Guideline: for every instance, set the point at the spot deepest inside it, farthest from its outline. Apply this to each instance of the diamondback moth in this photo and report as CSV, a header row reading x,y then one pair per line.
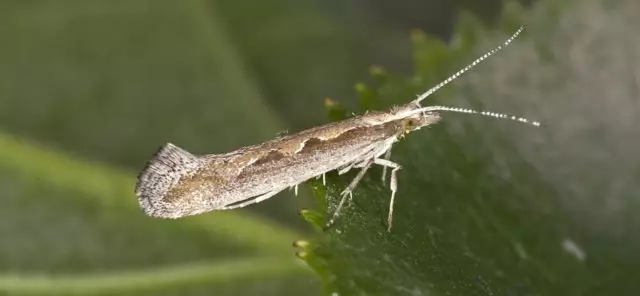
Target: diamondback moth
x,y
176,183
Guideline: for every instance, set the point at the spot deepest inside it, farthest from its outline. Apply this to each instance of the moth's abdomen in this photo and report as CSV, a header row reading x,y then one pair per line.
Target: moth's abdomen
x,y
159,177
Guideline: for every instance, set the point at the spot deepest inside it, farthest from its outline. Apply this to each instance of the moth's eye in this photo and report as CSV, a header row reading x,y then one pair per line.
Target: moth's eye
x,y
410,124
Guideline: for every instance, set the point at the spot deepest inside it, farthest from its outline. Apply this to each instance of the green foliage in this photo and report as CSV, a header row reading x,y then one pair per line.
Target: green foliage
x,y
298,50
85,69
490,207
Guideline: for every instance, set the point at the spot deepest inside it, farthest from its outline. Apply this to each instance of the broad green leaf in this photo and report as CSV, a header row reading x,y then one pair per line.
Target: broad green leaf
x,y
489,207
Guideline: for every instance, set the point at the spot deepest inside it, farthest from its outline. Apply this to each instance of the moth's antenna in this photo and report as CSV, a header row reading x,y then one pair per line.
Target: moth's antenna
x,y
470,111
467,68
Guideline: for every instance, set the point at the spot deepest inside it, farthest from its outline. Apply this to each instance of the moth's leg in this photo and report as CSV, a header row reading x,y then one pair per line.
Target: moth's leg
x,y
357,163
324,179
354,164
346,168
255,199
394,185
386,156
294,188
347,192
364,161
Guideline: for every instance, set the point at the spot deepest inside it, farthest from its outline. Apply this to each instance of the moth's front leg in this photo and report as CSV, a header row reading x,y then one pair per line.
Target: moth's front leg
x,y
394,185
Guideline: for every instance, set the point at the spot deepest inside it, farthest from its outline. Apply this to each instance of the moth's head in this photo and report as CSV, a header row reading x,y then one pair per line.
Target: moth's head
x,y
418,120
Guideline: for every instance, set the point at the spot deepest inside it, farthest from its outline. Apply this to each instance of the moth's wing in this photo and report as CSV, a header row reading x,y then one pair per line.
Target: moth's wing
x,y
167,166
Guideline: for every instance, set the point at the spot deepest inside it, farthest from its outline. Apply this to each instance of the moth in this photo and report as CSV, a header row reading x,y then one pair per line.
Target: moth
x,y
176,183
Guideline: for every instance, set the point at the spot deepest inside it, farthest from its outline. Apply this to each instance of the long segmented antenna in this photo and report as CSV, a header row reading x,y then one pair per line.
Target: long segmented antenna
x,y
471,111
467,68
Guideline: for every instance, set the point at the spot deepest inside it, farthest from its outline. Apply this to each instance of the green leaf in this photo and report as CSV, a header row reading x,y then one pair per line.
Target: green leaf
x,y
151,280
488,207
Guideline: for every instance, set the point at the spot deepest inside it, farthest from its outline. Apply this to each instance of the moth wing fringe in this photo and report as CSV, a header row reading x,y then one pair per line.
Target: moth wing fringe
x,y
165,169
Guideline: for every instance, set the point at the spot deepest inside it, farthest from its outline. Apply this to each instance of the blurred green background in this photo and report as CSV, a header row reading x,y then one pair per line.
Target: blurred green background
x,y
89,89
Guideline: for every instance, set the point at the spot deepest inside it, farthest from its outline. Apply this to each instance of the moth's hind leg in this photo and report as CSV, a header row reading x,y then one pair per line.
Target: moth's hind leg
x,y
252,200
347,193
394,185
387,156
